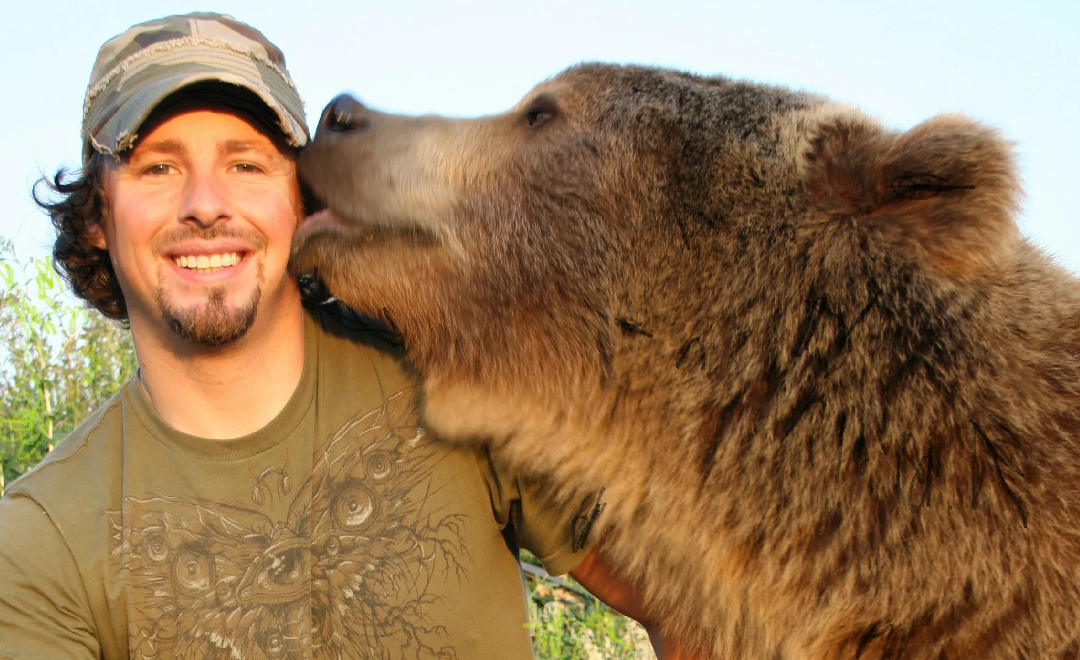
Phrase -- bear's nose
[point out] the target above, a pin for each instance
(344, 114)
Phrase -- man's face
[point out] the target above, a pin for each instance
(199, 222)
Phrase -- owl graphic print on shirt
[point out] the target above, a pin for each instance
(333, 564)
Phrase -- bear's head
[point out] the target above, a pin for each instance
(588, 236)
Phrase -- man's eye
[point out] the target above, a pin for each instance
(247, 168)
(159, 169)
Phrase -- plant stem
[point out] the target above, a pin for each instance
(45, 393)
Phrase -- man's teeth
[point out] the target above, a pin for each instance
(207, 263)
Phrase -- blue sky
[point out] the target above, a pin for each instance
(1012, 66)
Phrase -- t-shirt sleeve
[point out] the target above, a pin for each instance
(43, 604)
(555, 534)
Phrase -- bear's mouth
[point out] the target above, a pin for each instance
(358, 233)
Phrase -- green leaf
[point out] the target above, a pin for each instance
(8, 274)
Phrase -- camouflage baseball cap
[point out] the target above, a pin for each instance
(134, 71)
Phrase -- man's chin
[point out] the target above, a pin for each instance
(209, 332)
(212, 324)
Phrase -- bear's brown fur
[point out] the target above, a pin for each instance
(831, 392)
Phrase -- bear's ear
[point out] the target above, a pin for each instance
(946, 190)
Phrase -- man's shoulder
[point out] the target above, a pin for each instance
(78, 465)
(356, 346)
(342, 324)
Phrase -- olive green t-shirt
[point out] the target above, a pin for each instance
(339, 530)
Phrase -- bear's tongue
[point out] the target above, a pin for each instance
(316, 222)
(322, 219)
(327, 220)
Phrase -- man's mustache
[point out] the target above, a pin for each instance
(254, 241)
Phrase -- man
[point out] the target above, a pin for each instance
(261, 488)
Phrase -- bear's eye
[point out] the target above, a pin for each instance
(538, 117)
(540, 112)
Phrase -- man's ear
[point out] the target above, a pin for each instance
(95, 234)
(945, 192)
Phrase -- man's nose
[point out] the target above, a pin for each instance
(344, 114)
(205, 201)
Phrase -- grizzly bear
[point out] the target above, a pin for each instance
(830, 391)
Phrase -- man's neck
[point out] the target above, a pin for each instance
(230, 391)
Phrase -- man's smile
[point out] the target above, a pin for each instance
(204, 264)
(201, 260)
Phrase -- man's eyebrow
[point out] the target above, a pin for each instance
(174, 147)
(239, 146)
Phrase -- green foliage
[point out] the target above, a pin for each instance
(564, 625)
(58, 362)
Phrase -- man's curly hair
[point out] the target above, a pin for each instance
(76, 213)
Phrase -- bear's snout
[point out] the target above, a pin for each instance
(344, 114)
